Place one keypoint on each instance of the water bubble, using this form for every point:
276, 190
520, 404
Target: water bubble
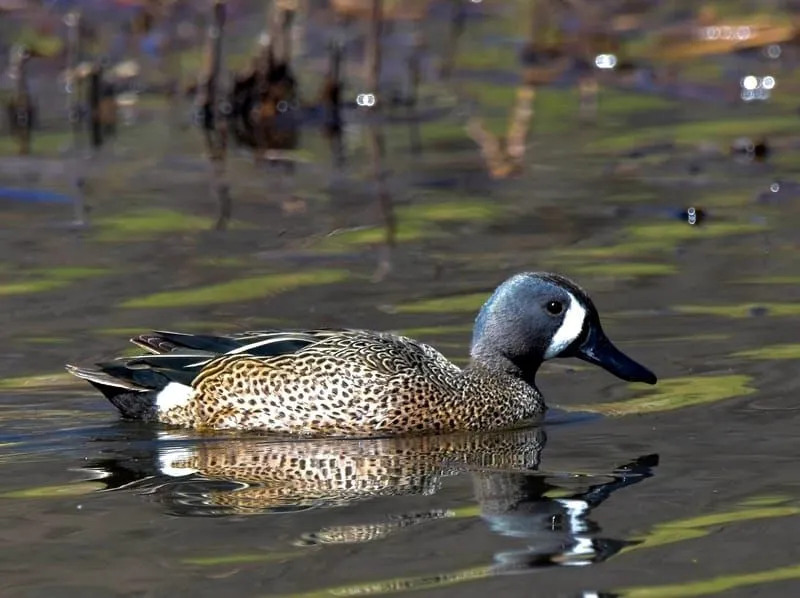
365, 99
282, 106
775, 187
605, 61
768, 82
691, 216
750, 82
747, 95
743, 33
774, 51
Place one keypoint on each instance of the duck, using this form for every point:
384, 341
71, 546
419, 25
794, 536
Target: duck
362, 383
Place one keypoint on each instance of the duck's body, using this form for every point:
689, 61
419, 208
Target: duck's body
358, 382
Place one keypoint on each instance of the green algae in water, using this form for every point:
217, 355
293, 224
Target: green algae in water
444, 305
741, 310
48, 279
237, 559
770, 352
43, 143
55, 491
715, 585
675, 393
372, 235
244, 289
437, 330
626, 269
148, 223
699, 527
401, 584
690, 338
769, 280
700, 131
658, 238
31, 286
40, 381
461, 210
414, 223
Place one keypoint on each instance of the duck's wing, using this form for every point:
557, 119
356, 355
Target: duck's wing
261, 343
130, 382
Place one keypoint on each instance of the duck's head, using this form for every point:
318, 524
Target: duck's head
535, 316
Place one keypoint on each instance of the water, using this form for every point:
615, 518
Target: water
684, 489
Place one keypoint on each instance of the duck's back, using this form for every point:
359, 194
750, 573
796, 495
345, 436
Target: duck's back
349, 382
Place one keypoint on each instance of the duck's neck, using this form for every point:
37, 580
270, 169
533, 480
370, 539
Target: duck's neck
501, 364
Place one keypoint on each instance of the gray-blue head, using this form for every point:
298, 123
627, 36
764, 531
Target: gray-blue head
535, 316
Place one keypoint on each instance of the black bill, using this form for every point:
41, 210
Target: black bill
597, 349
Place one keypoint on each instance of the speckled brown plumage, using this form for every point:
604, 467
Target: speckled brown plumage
352, 383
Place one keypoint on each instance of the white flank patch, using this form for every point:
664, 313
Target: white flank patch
169, 460
173, 395
570, 328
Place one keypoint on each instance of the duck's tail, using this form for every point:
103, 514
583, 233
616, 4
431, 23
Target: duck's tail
140, 387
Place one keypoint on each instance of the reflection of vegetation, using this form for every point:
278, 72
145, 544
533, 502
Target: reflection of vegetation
244, 289
770, 352
741, 310
675, 393
47, 279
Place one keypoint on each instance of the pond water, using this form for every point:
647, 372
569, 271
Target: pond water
687, 488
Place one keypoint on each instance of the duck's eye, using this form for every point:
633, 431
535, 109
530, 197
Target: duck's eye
554, 307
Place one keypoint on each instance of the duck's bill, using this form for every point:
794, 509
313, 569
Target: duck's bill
597, 349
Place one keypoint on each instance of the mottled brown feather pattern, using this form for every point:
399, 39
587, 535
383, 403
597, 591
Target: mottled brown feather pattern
354, 383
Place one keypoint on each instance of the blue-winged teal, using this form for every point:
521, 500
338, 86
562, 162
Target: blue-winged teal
364, 383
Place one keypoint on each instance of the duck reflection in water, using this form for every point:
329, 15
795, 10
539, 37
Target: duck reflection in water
223, 477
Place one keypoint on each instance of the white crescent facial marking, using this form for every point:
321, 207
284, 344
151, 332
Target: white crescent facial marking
570, 328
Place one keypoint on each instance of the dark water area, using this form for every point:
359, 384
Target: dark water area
675, 205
